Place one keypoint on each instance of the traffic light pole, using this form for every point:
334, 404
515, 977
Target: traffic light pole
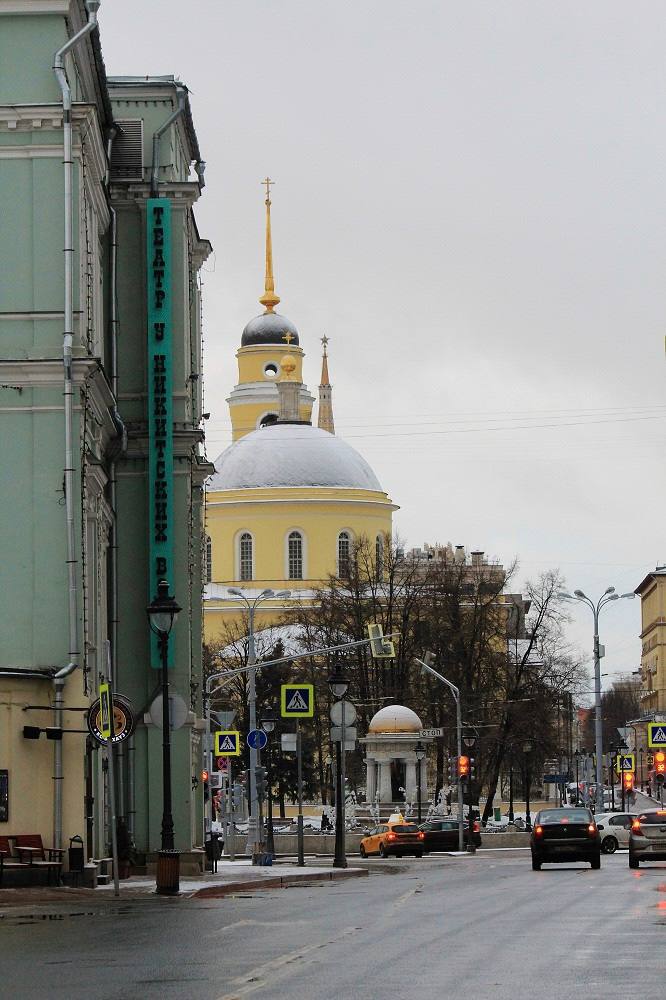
299, 772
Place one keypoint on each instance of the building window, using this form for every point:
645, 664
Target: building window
344, 553
209, 559
295, 555
245, 556
379, 557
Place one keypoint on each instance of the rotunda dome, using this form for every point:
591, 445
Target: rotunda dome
269, 328
292, 455
395, 719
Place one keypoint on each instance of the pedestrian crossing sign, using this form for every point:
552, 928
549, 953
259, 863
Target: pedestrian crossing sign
656, 735
227, 743
297, 701
625, 762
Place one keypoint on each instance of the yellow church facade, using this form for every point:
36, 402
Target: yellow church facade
288, 501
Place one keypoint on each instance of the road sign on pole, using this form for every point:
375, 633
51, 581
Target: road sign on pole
337, 710
431, 734
625, 762
297, 701
227, 743
257, 739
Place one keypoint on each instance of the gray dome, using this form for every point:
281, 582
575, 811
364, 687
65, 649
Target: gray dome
269, 328
284, 455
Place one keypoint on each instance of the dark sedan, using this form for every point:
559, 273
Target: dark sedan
561, 835
442, 834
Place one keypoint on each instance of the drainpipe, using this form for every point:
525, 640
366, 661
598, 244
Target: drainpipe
155, 172
68, 336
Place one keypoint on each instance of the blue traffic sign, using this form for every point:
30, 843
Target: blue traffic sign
257, 739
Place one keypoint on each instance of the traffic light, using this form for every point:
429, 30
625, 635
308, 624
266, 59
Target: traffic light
628, 781
204, 775
204, 781
659, 779
472, 767
260, 781
452, 770
660, 762
380, 647
237, 796
463, 767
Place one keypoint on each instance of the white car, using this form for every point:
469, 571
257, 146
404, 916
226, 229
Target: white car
614, 829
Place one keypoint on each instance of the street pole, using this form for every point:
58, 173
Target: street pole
528, 817
511, 816
270, 841
299, 768
252, 829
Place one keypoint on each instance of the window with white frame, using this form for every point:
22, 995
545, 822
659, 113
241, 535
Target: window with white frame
245, 554
295, 555
344, 553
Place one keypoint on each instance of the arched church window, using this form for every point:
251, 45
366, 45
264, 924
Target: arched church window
245, 554
209, 560
295, 555
344, 553
379, 557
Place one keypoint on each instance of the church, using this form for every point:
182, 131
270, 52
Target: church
288, 500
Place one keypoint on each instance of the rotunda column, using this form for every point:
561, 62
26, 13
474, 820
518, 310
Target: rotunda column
410, 780
385, 793
370, 779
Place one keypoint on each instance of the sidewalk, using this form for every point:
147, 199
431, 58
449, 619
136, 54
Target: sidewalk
231, 877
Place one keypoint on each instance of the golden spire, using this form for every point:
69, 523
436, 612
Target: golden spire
269, 298
325, 417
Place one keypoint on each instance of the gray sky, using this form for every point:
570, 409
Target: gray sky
469, 202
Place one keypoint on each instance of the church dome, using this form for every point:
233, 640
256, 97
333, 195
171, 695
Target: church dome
269, 328
395, 719
292, 455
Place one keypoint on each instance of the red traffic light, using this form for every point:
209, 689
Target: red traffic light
660, 762
463, 766
204, 775
627, 780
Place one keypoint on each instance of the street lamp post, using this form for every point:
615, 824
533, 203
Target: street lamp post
162, 613
338, 685
268, 725
607, 596
527, 749
253, 832
420, 752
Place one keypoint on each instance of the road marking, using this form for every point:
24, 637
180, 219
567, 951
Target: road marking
254, 979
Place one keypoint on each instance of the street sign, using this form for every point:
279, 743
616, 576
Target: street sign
431, 734
105, 710
656, 735
123, 719
227, 743
178, 711
297, 701
257, 739
288, 742
336, 713
350, 736
222, 765
625, 762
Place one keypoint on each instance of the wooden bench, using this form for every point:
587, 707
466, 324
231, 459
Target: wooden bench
9, 861
30, 848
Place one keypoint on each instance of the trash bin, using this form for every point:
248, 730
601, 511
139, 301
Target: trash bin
497, 812
213, 848
168, 873
75, 857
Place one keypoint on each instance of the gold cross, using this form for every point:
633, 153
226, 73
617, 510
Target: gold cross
267, 181
288, 337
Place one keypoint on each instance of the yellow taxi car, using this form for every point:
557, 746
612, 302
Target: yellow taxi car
395, 837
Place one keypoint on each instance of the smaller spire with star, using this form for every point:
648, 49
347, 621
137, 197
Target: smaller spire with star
325, 413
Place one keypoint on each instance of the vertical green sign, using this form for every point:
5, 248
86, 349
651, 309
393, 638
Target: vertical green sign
160, 403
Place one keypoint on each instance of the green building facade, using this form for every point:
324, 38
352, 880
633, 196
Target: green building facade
92, 518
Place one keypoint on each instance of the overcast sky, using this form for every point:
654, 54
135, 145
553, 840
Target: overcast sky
469, 202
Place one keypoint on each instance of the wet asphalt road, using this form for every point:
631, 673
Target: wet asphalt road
478, 927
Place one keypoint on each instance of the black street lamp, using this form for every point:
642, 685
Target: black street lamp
338, 685
419, 752
267, 723
162, 613
527, 749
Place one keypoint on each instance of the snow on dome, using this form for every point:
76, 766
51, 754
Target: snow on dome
284, 455
395, 719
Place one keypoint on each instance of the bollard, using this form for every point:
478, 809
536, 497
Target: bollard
168, 873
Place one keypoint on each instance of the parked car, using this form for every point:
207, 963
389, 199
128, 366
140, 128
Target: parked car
647, 837
614, 828
442, 834
565, 834
395, 837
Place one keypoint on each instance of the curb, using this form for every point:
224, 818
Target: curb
278, 882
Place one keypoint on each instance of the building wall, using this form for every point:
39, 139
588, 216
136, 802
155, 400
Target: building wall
653, 636
256, 393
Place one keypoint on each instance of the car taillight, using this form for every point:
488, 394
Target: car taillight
538, 831
636, 826
592, 829
421, 835
390, 836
